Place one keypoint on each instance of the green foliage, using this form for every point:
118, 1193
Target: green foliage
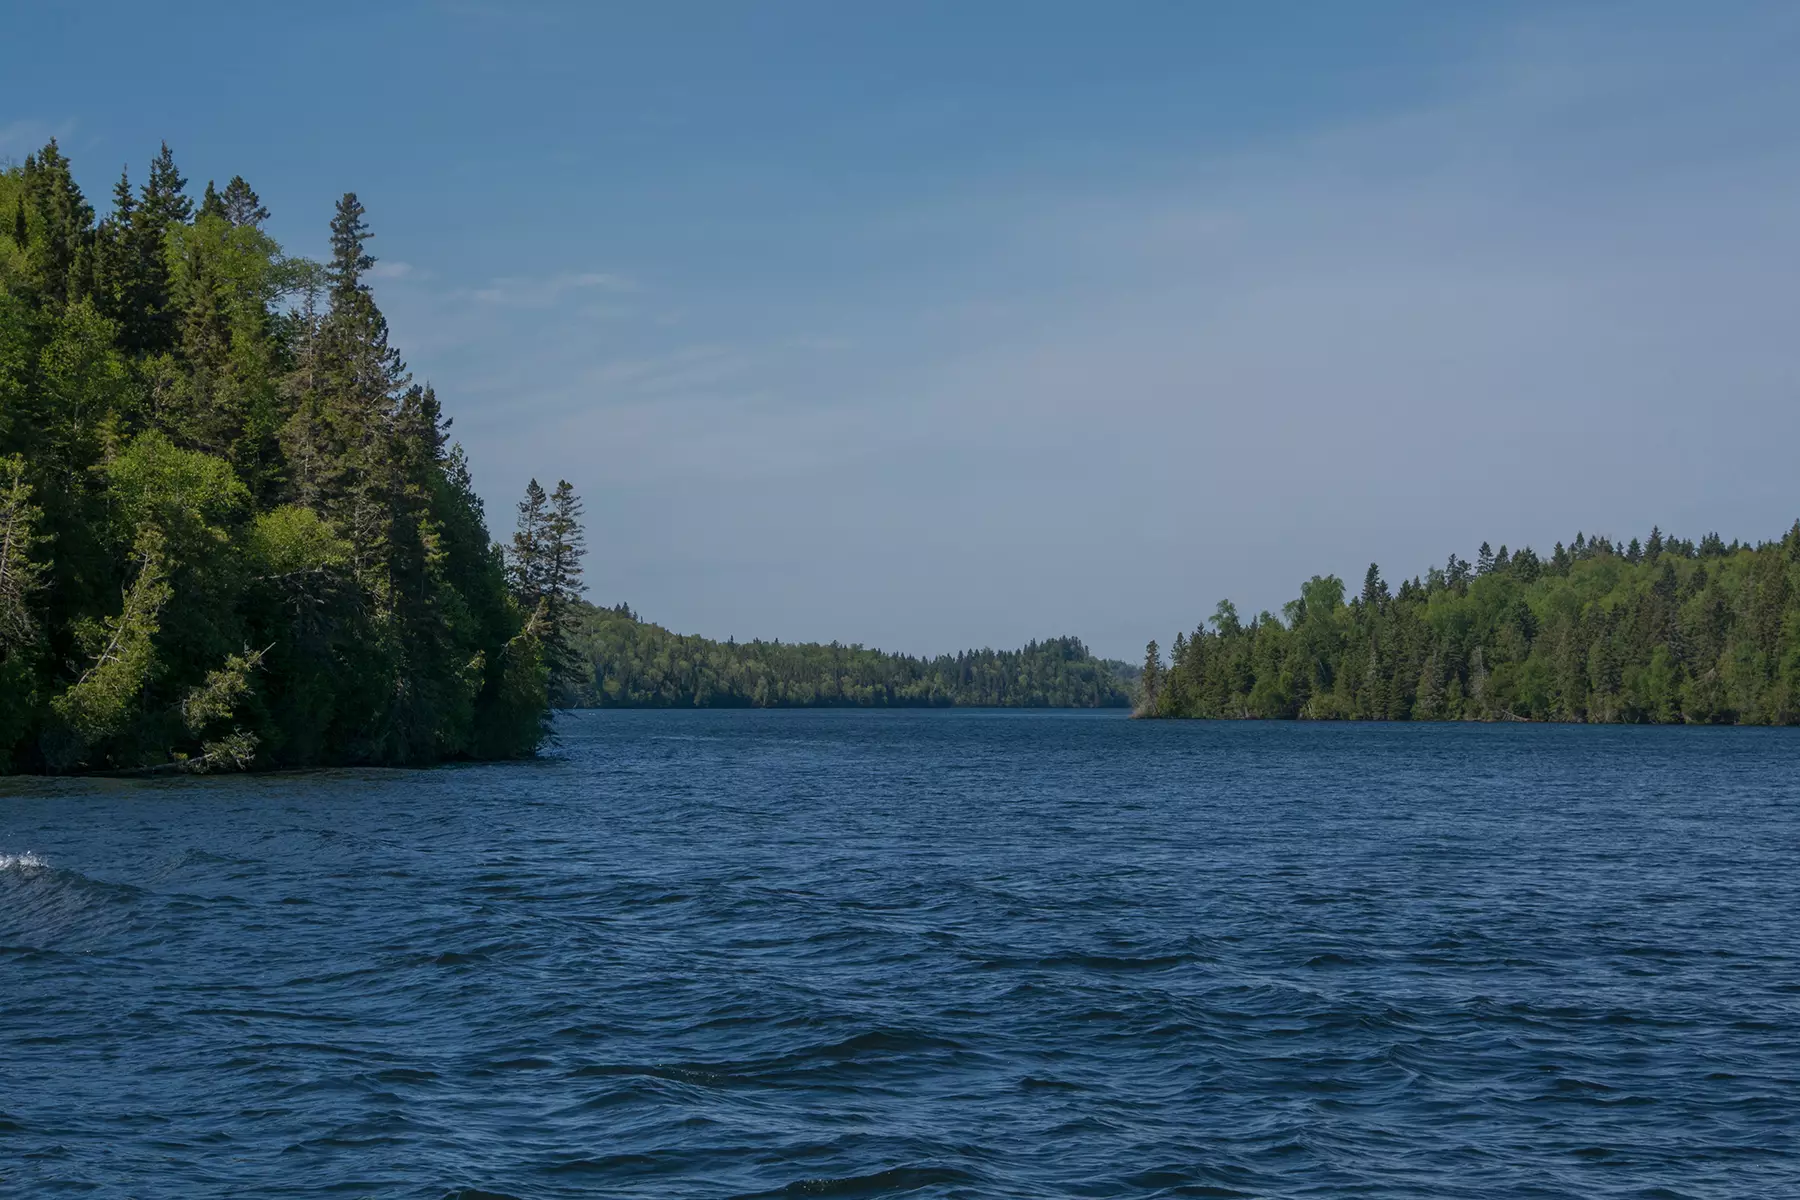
187, 471
292, 540
104, 698
632, 664
544, 567
1659, 631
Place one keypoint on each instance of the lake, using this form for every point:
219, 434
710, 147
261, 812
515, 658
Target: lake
921, 953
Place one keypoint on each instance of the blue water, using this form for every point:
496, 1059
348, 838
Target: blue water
967, 954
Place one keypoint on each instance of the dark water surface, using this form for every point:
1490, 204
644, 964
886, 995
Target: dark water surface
930, 954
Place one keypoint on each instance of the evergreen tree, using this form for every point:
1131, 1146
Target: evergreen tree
1603, 633
60, 228
545, 568
148, 319
1375, 589
242, 206
212, 204
527, 563
1150, 683
164, 601
565, 547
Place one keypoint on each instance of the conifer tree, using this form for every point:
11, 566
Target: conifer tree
150, 321
241, 205
526, 563
61, 226
1150, 682
545, 568
161, 603
115, 274
212, 204
1375, 588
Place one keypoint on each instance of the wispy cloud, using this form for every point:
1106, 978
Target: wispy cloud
546, 291
394, 269
1556, 294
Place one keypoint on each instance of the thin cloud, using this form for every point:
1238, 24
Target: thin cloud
546, 292
393, 269
1551, 297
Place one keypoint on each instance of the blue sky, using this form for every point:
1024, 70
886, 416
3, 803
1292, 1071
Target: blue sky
934, 325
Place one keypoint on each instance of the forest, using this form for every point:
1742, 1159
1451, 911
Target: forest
629, 663
233, 531
1660, 631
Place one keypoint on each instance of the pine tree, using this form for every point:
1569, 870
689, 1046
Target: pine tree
138, 572
165, 193
1150, 682
206, 420
115, 274
150, 322
1375, 589
527, 561
544, 567
358, 379
1484, 560
63, 223
242, 207
212, 204
565, 546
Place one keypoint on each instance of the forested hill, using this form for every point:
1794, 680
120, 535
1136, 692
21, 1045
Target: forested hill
1660, 631
232, 530
634, 664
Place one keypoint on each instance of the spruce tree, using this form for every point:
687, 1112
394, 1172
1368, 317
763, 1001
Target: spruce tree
212, 204
527, 561
115, 274
63, 224
358, 381
154, 610
1375, 589
150, 321
565, 546
241, 204
1150, 682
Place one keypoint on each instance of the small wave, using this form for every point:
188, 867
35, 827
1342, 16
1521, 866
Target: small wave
22, 862
895, 1181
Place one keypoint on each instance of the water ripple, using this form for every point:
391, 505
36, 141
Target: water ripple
972, 955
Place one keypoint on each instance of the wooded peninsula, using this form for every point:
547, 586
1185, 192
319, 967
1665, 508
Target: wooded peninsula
629, 663
1660, 631
233, 532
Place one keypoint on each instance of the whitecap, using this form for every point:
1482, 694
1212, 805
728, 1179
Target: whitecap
22, 862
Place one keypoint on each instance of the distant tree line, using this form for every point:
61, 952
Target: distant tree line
629, 663
1659, 631
232, 529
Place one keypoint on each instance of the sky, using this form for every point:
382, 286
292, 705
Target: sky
936, 325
